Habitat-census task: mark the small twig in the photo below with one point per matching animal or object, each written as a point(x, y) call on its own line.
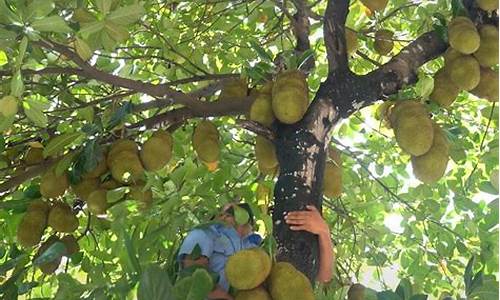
point(257, 129)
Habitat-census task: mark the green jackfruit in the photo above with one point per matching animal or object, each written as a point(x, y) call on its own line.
point(33, 224)
point(488, 5)
point(488, 85)
point(62, 218)
point(157, 151)
point(265, 153)
point(143, 197)
point(71, 245)
point(487, 54)
point(290, 97)
point(463, 35)
point(431, 166)
point(49, 267)
point(332, 180)
point(254, 294)
point(126, 167)
point(247, 269)
point(236, 88)
point(445, 91)
point(261, 110)
point(383, 41)
point(287, 283)
point(414, 132)
point(85, 187)
point(351, 39)
point(465, 72)
point(52, 186)
point(97, 202)
point(33, 156)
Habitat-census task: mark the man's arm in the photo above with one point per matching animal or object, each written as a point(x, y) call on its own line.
point(310, 220)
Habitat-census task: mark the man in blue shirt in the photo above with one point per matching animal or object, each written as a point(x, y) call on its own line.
point(218, 242)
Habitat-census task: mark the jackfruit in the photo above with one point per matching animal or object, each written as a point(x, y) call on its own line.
point(208, 150)
point(445, 91)
point(375, 5)
point(33, 224)
point(463, 35)
point(211, 166)
point(52, 186)
point(126, 167)
point(290, 97)
point(465, 72)
point(334, 154)
point(351, 39)
point(205, 130)
point(261, 110)
point(110, 184)
point(356, 292)
point(487, 54)
point(488, 5)
point(265, 153)
point(403, 108)
point(332, 180)
point(247, 269)
point(8, 106)
point(123, 145)
point(450, 55)
point(33, 156)
point(383, 41)
point(287, 283)
point(431, 166)
point(488, 85)
point(85, 187)
point(49, 267)
point(157, 151)
point(97, 202)
point(62, 218)
point(254, 294)
point(71, 245)
point(236, 88)
point(413, 131)
point(143, 197)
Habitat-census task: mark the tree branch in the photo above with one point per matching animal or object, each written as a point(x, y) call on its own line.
point(334, 34)
point(47, 71)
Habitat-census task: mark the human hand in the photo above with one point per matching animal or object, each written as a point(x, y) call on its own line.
point(308, 220)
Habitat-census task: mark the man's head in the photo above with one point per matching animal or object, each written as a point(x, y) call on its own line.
point(230, 214)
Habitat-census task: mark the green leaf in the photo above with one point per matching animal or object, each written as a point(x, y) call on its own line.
point(468, 274)
point(90, 28)
point(22, 51)
point(119, 115)
point(52, 253)
point(17, 85)
point(104, 5)
point(203, 286)
point(261, 51)
point(11, 263)
point(34, 109)
point(132, 254)
point(424, 86)
point(419, 297)
point(6, 122)
point(155, 284)
point(58, 143)
point(3, 56)
point(127, 15)
point(41, 8)
point(240, 215)
point(65, 163)
point(488, 290)
point(404, 289)
point(51, 24)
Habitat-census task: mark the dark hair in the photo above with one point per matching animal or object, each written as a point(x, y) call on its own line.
point(246, 207)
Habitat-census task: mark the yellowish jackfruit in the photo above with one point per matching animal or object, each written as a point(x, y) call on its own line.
point(85, 187)
point(206, 142)
point(254, 294)
point(265, 153)
point(351, 38)
point(33, 224)
point(450, 54)
point(375, 5)
point(403, 108)
point(287, 283)
point(465, 72)
point(236, 88)
point(157, 151)
point(488, 5)
point(487, 54)
point(247, 269)
point(52, 186)
point(332, 180)
point(123, 145)
point(33, 156)
point(488, 85)
point(445, 91)
point(383, 41)
point(126, 167)
point(463, 35)
point(290, 97)
point(208, 150)
point(62, 218)
point(414, 133)
point(261, 110)
point(97, 202)
point(431, 166)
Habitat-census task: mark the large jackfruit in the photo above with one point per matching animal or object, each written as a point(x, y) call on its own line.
point(375, 5)
point(83, 189)
point(463, 35)
point(206, 142)
point(254, 294)
point(52, 186)
point(383, 41)
point(332, 176)
point(351, 39)
point(431, 166)
point(488, 85)
point(488, 5)
point(123, 145)
point(356, 292)
point(487, 54)
point(100, 169)
point(49, 267)
point(33, 156)
point(261, 110)
point(126, 167)
point(265, 153)
point(287, 283)
point(62, 218)
point(236, 88)
point(157, 151)
point(97, 202)
point(450, 55)
point(247, 269)
point(445, 91)
point(290, 96)
point(465, 72)
point(33, 224)
point(144, 197)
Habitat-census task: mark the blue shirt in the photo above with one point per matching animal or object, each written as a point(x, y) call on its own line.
point(218, 242)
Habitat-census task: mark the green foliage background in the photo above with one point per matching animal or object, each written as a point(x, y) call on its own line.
point(443, 225)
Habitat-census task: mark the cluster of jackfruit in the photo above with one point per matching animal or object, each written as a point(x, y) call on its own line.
point(285, 99)
point(332, 178)
point(468, 63)
point(383, 41)
point(206, 143)
point(420, 137)
point(254, 276)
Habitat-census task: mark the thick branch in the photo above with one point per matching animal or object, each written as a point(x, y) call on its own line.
point(334, 34)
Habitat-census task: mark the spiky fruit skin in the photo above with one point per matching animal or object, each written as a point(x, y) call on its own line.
point(265, 153)
point(71, 245)
point(261, 110)
point(445, 91)
point(254, 294)
point(62, 218)
point(487, 54)
point(351, 39)
point(52, 186)
point(206, 142)
point(332, 180)
point(50, 267)
point(375, 5)
point(488, 5)
point(33, 224)
point(123, 145)
point(97, 202)
point(488, 85)
point(236, 88)
point(465, 72)
point(33, 156)
point(157, 151)
point(143, 197)
point(463, 35)
point(450, 55)
point(8, 106)
point(431, 166)
point(208, 150)
point(287, 283)
point(356, 292)
point(83, 189)
point(126, 167)
point(290, 97)
point(413, 130)
point(383, 42)
point(254, 263)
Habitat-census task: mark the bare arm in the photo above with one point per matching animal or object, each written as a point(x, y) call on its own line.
point(310, 220)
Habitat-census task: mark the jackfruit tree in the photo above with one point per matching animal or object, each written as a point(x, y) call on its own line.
point(124, 124)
